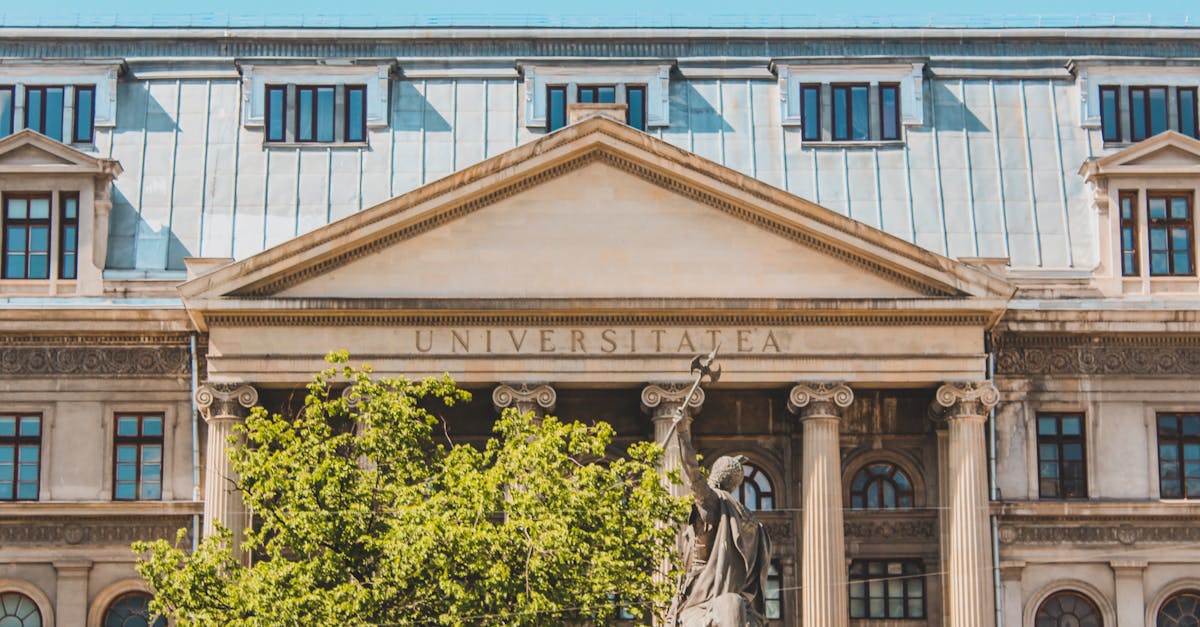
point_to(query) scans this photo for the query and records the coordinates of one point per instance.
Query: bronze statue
(725, 550)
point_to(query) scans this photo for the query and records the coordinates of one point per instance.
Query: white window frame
(103, 75)
(1092, 77)
(910, 76)
(255, 78)
(655, 76)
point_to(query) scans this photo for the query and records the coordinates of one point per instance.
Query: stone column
(662, 401)
(539, 398)
(823, 589)
(1131, 591)
(71, 595)
(223, 405)
(964, 407)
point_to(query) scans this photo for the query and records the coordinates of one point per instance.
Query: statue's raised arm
(706, 498)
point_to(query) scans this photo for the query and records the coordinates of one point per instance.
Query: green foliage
(363, 519)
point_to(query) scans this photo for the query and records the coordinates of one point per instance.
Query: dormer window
(633, 96)
(550, 90)
(62, 112)
(297, 106)
(1126, 108)
(836, 104)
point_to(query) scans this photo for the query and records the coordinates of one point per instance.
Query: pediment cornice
(1167, 154)
(30, 152)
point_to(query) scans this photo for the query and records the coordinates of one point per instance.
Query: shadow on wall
(692, 111)
(146, 113)
(951, 113)
(134, 244)
(413, 112)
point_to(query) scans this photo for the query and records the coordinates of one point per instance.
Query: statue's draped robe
(737, 563)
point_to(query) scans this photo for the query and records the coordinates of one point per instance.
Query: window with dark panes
(356, 113)
(851, 113)
(137, 458)
(1129, 234)
(6, 110)
(314, 114)
(20, 456)
(27, 236)
(556, 107)
(132, 610)
(889, 112)
(887, 589)
(810, 107)
(773, 592)
(1179, 456)
(1170, 229)
(756, 491)
(1110, 112)
(1147, 112)
(597, 94)
(1186, 100)
(44, 111)
(1181, 610)
(635, 98)
(85, 113)
(1062, 458)
(1068, 608)
(881, 486)
(276, 111)
(68, 235)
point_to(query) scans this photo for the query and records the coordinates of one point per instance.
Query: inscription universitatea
(593, 341)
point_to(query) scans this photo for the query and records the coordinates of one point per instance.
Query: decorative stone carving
(964, 398)
(119, 531)
(225, 401)
(1090, 355)
(1073, 532)
(888, 530)
(84, 361)
(812, 399)
(663, 399)
(525, 397)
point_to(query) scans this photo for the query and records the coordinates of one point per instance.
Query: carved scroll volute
(664, 399)
(525, 397)
(225, 401)
(963, 399)
(819, 399)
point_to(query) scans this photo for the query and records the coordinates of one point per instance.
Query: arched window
(773, 594)
(18, 610)
(1181, 610)
(1068, 609)
(756, 493)
(132, 610)
(881, 486)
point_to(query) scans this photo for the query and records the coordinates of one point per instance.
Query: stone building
(951, 272)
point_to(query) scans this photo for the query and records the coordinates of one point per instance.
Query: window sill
(315, 145)
(890, 143)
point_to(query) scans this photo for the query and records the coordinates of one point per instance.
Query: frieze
(883, 530)
(1135, 355)
(130, 361)
(109, 532)
(778, 531)
(1123, 534)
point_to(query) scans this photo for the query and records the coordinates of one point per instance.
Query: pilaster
(1131, 591)
(223, 406)
(823, 560)
(664, 402)
(71, 595)
(1014, 595)
(964, 406)
(539, 398)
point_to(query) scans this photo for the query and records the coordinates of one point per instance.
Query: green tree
(362, 518)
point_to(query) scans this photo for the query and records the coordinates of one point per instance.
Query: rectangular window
(886, 589)
(597, 94)
(137, 457)
(851, 113)
(1062, 458)
(1147, 112)
(20, 456)
(635, 97)
(1188, 124)
(889, 112)
(276, 113)
(85, 111)
(773, 592)
(1110, 112)
(6, 110)
(314, 114)
(356, 113)
(27, 236)
(1179, 456)
(68, 235)
(1129, 234)
(44, 111)
(810, 112)
(556, 107)
(1170, 227)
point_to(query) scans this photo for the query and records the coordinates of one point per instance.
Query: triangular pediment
(1167, 153)
(596, 211)
(30, 152)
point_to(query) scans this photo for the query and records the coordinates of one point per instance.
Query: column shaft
(664, 402)
(224, 406)
(823, 557)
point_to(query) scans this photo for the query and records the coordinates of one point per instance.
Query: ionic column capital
(819, 399)
(662, 400)
(525, 397)
(226, 401)
(964, 399)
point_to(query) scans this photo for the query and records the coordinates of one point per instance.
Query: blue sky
(605, 12)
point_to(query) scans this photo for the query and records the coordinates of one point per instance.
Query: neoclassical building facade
(951, 274)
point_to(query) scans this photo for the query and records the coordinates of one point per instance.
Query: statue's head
(727, 473)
